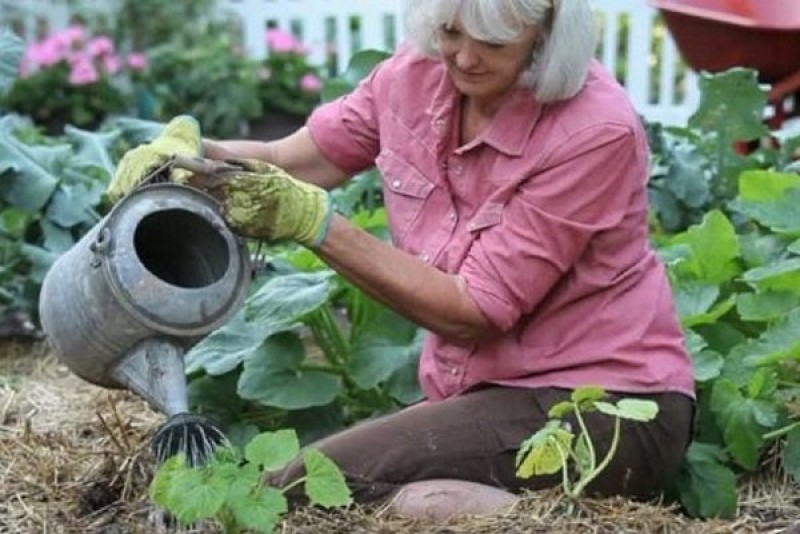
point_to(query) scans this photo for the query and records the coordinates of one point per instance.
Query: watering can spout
(154, 370)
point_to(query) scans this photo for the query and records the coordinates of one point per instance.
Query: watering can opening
(181, 248)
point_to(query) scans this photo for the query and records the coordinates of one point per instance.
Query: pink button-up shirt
(544, 215)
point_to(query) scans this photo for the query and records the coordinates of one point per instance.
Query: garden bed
(75, 458)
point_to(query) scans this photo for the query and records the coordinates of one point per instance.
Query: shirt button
(454, 371)
(425, 257)
(452, 216)
(396, 184)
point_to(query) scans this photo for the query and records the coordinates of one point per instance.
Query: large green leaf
(35, 167)
(779, 342)
(225, 348)
(778, 276)
(731, 104)
(381, 343)
(714, 249)
(768, 306)
(11, 50)
(93, 148)
(274, 376)
(707, 487)
(286, 300)
(695, 301)
(277, 306)
(742, 420)
(770, 198)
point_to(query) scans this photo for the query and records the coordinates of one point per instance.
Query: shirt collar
(509, 131)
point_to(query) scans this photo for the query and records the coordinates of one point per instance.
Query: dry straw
(76, 458)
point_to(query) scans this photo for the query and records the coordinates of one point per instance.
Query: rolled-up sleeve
(346, 130)
(548, 222)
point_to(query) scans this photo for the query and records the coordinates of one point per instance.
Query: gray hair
(561, 59)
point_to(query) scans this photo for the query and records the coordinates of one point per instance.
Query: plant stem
(781, 431)
(589, 444)
(585, 480)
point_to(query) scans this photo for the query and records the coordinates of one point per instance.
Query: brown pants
(476, 436)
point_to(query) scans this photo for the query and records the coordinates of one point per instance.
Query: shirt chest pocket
(405, 192)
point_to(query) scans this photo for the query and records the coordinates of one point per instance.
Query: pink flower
(310, 83)
(45, 53)
(74, 34)
(100, 46)
(83, 72)
(137, 61)
(112, 63)
(280, 41)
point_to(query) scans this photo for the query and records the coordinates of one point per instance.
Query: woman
(515, 175)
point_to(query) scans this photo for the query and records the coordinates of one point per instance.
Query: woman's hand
(181, 136)
(263, 201)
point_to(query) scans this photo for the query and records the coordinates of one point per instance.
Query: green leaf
(779, 276)
(325, 485)
(273, 450)
(194, 495)
(545, 452)
(162, 482)
(636, 410)
(779, 342)
(561, 409)
(256, 508)
(766, 307)
(707, 487)
(224, 349)
(285, 300)
(695, 303)
(739, 420)
(381, 343)
(764, 186)
(714, 249)
(35, 168)
(11, 49)
(732, 105)
(707, 365)
(791, 454)
(273, 376)
(93, 148)
(585, 396)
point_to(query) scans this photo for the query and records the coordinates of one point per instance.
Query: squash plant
(735, 273)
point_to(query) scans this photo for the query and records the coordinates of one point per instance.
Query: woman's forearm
(413, 288)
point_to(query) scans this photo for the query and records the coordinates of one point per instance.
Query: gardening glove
(262, 201)
(181, 135)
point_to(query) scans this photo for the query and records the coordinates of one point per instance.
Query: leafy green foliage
(233, 488)
(363, 362)
(208, 80)
(11, 50)
(695, 169)
(556, 448)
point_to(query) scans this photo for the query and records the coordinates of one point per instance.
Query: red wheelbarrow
(715, 35)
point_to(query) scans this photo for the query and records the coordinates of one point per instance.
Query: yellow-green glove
(181, 135)
(263, 201)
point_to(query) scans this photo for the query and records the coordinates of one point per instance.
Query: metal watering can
(148, 281)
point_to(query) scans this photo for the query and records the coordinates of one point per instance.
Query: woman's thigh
(476, 436)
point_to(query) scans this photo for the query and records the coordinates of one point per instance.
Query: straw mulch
(75, 458)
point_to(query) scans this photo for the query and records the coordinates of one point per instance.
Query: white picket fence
(633, 43)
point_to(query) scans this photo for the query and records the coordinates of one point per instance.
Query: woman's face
(483, 70)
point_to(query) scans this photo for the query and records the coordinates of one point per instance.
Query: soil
(75, 458)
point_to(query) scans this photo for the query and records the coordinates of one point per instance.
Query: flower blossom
(100, 46)
(137, 61)
(310, 83)
(282, 42)
(83, 72)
